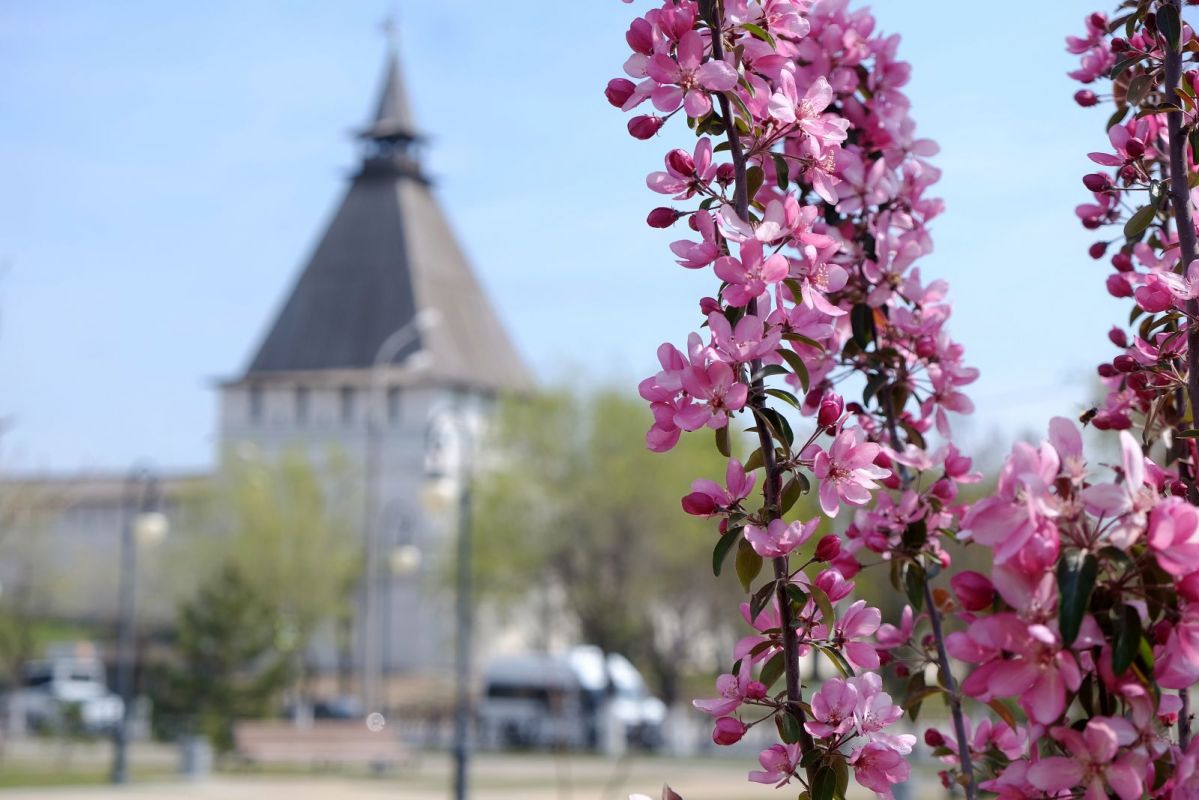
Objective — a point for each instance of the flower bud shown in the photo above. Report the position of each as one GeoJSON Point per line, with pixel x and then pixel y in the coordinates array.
{"type": "Point", "coordinates": [1118, 337]}
{"type": "Point", "coordinates": [1119, 45]}
{"type": "Point", "coordinates": [926, 347]}
{"type": "Point", "coordinates": [1135, 148]}
{"type": "Point", "coordinates": [1122, 262]}
{"type": "Point", "coordinates": [828, 548]}
{"type": "Point", "coordinates": [725, 173]}
{"type": "Point", "coordinates": [645, 126]}
{"type": "Point", "coordinates": [619, 91]}
{"type": "Point", "coordinates": [1092, 223]}
{"type": "Point", "coordinates": [933, 738]}
{"type": "Point", "coordinates": [681, 162]}
{"type": "Point", "coordinates": [709, 304]}
{"type": "Point", "coordinates": [973, 589]}
{"type": "Point", "coordinates": [755, 690]}
{"type": "Point", "coordinates": [1097, 250]}
{"type": "Point", "coordinates": [1107, 371]}
{"type": "Point", "coordinates": [831, 408]}
{"type": "Point", "coordinates": [1086, 98]}
{"type": "Point", "coordinates": [728, 730]}
{"type": "Point", "coordinates": [1128, 173]}
{"type": "Point", "coordinates": [1097, 20]}
{"type": "Point", "coordinates": [1097, 182]}
{"type": "Point", "coordinates": [1179, 489]}
{"type": "Point", "coordinates": [1118, 286]}
{"type": "Point", "coordinates": [663, 217]}
{"type": "Point", "coordinates": [1138, 381]}
{"type": "Point", "coordinates": [699, 504]}
{"type": "Point", "coordinates": [1125, 363]}
{"type": "Point", "coordinates": [1188, 587]}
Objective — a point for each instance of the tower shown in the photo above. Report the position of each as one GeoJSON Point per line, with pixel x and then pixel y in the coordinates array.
{"type": "Point", "coordinates": [385, 326]}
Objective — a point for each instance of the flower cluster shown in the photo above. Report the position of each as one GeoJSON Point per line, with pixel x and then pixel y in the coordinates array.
{"type": "Point", "coordinates": [806, 196]}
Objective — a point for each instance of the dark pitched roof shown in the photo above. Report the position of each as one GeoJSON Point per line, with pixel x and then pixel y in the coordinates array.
{"type": "Point", "coordinates": [387, 254]}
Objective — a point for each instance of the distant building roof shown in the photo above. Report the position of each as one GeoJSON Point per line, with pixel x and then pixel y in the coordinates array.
{"type": "Point", "coordinates": [387, 254]}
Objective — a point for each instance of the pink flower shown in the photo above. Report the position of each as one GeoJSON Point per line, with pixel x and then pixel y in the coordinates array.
{"type": "Point", "coordinates": [779, 539]}
{"type": "Point", "coordinates": [847, 471]}
{"type": "Point", "coordinates": [856, 624]}
{"type": "Point", "coordinates": [1178, 660]}
{"type": "Point", "coordinates": [684, 81]}
{"type": "Point", "coordinates": [708, 496]}
{"type": "Point", "coordinates": [745, 342]}
{"type": "Point", "coordinates": [751, 274]}
{"type": "Point", "coordinates": [718, 392]}
{"type": "Point", "coordinates": [1093, 762]}
{"type": "Point", "coordinates": [728, 730]}
{"type": "Point", "coordinates": [696, 255]}
{"type": "Point", "coordinates": [733, 690]}
{"type": "Point", "coordinates": [1174, 536]}
{"type": "Point", "coordinates": [778, 764]}
{"type": "Point", "coordinates": [890, 636]}
{"type": "Point", "coordinates": [685, 174]}
{"type": "Point", "coordinates": [878, 767]}
{"type": "Point", "coordinates": [1128, 500]}
{"type": "Point", "coordinates": [973, 589]}
{"type": "Point", "coordinates": [833, 707]}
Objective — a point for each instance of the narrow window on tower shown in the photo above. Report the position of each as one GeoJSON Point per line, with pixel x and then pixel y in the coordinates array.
{"type": "Point", "coordinates": [301, 404]}
{"type": "Point", "coordinates": [255, 404]}
{"type": "Point", "coordinates": [347, 404]}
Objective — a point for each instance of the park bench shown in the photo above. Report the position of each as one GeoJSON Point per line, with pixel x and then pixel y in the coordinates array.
{"type": "Point", "coordinates": [320, 744]}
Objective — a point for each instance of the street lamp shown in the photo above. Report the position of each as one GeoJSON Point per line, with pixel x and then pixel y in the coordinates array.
{"type": "Point", "coordinates": [144, 524]}
{"type": "Point", "coordinates": [386, 354]}
{"type": "Point", "coordinates": [436, 468]}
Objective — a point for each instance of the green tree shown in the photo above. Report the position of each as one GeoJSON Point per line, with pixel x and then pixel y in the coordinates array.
{"type": "Point", "coordinates": [232, 659]}
{"type": "Point", "coordinates": [574, 497]}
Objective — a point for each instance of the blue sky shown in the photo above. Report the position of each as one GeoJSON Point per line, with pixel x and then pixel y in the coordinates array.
{"type": "Point", "coordinates": [165, 169]}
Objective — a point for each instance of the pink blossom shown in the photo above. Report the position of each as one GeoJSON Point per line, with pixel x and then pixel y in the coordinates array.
{"type": "Point", "coordinates": [846, 471]}
{"type": "Point", "coordinates": [751, 274]}
{"type": "Point", "coordinates": [728, 730]}
{"type": "Point", "coordinates": [778, 764]}
{"type": "Point", "coordinates": [854, 626]}
{"type": "Point", "coordinates": [779, 539]}
{"type": "Point", "coordinates": [718, 391]}
{"type": "Point", "coordinates": [878, 768]}
{"type": "Point", "coordinates": [733, 690]}
{"type": "Point", "coordinates": [1094, 762]}
{"type": "Point", "coordinates": [833, 707]}
{"type": "Point", "coordinates": [687, 80]}
{"type": "Point", "coordinates": [745, 342]}
{"type": "Point", "coordinates": [708, 496]}
{"type": "Point", "coordinates": [1174, 536]}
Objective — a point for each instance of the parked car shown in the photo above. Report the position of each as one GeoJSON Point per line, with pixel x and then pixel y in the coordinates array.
{"type": "Point", "coordinates": [69, 691]}
{"type": "Point", "coordinates": [541, 701]}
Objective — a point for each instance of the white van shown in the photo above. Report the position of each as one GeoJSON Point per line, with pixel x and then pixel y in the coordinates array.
{"type": "Point", "coordinates": [543, 701]}
{"type": "Point", "coordinates": [54, 688]}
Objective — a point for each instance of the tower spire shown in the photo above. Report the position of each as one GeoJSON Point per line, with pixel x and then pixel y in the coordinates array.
{"type": "Point", "coordinates": [393, 116]}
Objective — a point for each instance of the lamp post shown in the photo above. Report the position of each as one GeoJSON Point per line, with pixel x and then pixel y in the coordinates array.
{"type": "Point", "coordinates": [436, 468]}
{"type": "Point", "coordinates": [144, 523]}
{"type": "Point", "coordinates": [386, 354]}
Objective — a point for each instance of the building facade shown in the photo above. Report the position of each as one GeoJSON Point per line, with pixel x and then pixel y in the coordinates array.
{"type": "Point", "coordinates": [385, 354]}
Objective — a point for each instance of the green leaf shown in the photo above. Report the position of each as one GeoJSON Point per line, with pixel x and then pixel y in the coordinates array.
{"type": "Point", "coordinates": [785, 396]}
{"type": "Point", "coordinates": [755, 461]}
{"type": "Point", "coordinates": [760, 600]}
{"type": "Point", "coordinates": [796, 595]}
{"type": "Point", "coordinates": [754, 176]}
{"type": "Point", "coordinates": [772, 670]}
{"type": "Point", "coordinates": [1121, 66]}
{"type": "Point", "coordinates": [722, 441]}
{"type": "Point", "coordinates": [769, 371]}
{"type": "Point", "coordinates": [778, 425]}
{"type": "Point", "coordinates": [758, 33]}
{"type": "Point", "coordinates": [913, 585]}
{"type": "Point", "coordinates": [790, 495]}
{"type": "Point", "coordinates": [748, 564]}
{"type": "Point", "coordinates": [799, 337]}
{"type": "Point", "coordinates": [1076, 574]}
{"type": "Point", "coordinates": [1117, 116]}
{"type": "Point", "coordinates": [915, 535]}
{"type": "Point", "coordinates": [789, 728]}
{"type": "Point", "coordinates": [861, 320]}
{"type": "Point", "coordinates": [1128, 639]}
{"type": "Point", "coordinates": [1190, 433]}
{"type": "Point", "coordinates": [1139, 221]}
{"type": "Point", "coordinates": [796, 363]}
{"type": "Point", "coordinates": [824, 783]}
{"type": "Point", "coordinates": [828, 616]}
{"type": "Point", "coordinates": [781, 171]}
{"type": "Point", "coordinates": [1168, 24]}
{"type": "Point", "coordinates": [723, 545]}
{"type": "Point", "coordinates": [1139, 88]}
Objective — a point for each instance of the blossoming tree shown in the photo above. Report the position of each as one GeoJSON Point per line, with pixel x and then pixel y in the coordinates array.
{"type": "Point", "coordinates": [805, 197]}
